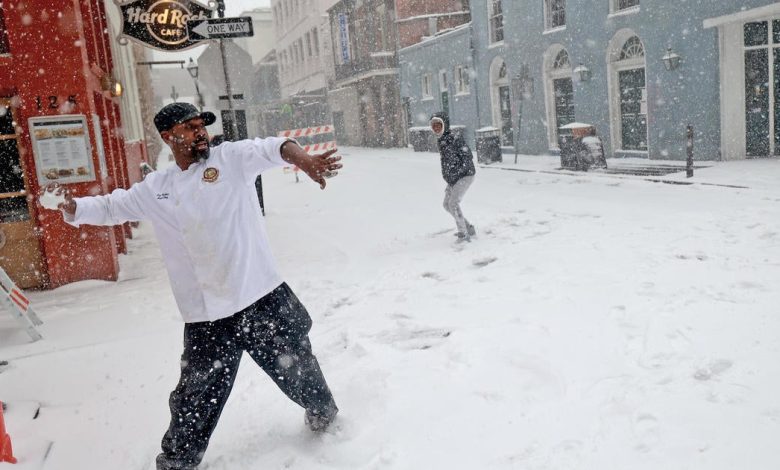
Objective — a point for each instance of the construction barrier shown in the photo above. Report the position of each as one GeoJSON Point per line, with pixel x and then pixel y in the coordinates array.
{"type": "Point", "coordinates": [313, 139]}
{"type": "Point", "coordinates": [18, 305]}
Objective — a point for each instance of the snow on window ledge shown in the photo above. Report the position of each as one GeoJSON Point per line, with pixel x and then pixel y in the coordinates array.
{"type": "Point", "coordinates": [627, 11]}
{"type": "Point", "coordinates": [554, 30]}
{"type": "Point", "coordinates": [426, 98]}
{"type": "Point", "coordinates": [493, 45]}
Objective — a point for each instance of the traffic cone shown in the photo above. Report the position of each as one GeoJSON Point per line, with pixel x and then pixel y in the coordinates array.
{"type": "Point", "coordinates": [6, 453]}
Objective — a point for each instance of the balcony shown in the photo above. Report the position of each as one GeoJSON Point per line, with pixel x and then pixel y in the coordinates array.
{"type": "Point", "coordinates": [374, 61]}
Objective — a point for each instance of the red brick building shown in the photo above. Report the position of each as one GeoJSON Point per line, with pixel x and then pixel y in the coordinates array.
{"type": "Point", "coordinates": [419, 18]}
{"type": "Point", "coordinates": [56, 74]}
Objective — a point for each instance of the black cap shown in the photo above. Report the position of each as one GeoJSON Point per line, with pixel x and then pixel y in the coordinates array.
{"type": "Point", "coordinates": [176, 113]}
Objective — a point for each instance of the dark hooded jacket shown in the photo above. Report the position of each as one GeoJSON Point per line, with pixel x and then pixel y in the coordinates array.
{"type": "Point", "coordinates": [456, 158]}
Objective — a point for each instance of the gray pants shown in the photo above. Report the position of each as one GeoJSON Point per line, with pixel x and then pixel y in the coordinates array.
{"type": "Point", "coordinates": [452, 197]}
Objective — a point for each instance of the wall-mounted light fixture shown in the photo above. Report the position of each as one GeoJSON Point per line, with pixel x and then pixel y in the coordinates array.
{"type": "Point", "coordinates": [671, 59]}
{"type": "Point", "coordinates": [111, 85]}
{"type": "Point", "coordinates": [583, 73]}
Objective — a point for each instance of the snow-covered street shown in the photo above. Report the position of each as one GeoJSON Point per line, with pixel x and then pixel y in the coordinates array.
{"type": "Point", "coordinates": [595, 323]}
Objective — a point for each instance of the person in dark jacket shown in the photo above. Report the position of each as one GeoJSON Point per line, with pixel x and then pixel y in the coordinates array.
{"type": "Point", "coordinates": [457, 168]}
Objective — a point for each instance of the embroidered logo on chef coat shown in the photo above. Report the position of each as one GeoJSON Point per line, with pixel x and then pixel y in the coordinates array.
{"type": "Point", "coordinates": [210, 174]}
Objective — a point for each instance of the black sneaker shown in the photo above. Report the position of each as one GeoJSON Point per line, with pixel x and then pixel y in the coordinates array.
{"type": "Point", "coordinates": [319, 422]}
{"type": "Point", "coordinates": [462, 237]}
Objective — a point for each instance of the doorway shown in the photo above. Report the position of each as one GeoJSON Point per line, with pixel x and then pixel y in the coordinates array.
{"type": "Point", "coordinates": [762, 88]}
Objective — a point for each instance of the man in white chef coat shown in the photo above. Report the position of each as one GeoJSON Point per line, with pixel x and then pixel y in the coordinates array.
{"type": "Point", "coordinates": [214, 244]}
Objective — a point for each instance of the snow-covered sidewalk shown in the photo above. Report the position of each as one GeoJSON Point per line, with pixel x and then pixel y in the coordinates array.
{"type": "Point", "coordinates": [595, 323]}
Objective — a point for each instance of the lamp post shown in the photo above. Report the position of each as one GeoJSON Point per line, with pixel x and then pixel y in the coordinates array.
{"type": "Point", "coordinates": [228, 88]}
{"type": "Point", "coordinates": [192, 68]}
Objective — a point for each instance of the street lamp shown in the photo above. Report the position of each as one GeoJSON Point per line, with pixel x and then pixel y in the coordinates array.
{"type": "Point", "coordinates": [671, 59]}
{"type": "Point", "coordinates": [192, 68]}
{"type": "Point", "coordinates": [582, 72]}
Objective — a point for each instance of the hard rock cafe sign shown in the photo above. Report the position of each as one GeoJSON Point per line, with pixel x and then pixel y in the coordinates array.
{"type": "Point", "coordinates": [161, 24]}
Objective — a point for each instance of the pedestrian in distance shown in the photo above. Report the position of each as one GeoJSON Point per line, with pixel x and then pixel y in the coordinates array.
{"type": "Point", "coordinates": [213, 239]}
{"type": "Point", "coordinates": [457, 169]}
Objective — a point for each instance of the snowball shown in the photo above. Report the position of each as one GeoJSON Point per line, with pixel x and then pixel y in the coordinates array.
{"type": "Point", "coordinates": [50, 201]}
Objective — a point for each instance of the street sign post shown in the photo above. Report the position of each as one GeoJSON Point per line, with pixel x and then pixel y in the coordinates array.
{"type": "Point", "coordinates": [220, 28]}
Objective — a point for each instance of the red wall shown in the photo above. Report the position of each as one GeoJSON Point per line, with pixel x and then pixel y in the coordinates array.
{"type": "Point", "coordinates": [61, 48]}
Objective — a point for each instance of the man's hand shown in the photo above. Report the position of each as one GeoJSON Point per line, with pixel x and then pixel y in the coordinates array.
{"type": "Point", "coordinates": [54, 196]}
{"type": "Point", "coordinates": [318, 167]}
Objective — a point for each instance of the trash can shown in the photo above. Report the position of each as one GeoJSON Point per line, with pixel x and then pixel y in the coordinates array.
{"type": "Point", "coordinates": [419, 137]}
{"type": "Point", "coordinates": [570, 142]}
{"type": "Point", "coordinates": [488, 145]}
{"type": "Point", "coordinates": [568, 148]}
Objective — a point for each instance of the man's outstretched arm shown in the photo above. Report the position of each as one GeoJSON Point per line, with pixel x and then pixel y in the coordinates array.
{"type": "Point", "coordinates": [318, 167]}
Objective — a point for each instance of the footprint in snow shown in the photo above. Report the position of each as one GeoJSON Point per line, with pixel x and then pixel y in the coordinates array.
{"type": "Point", "coordinates": [646, 430]}
{"type": "Point", "coordinates": [482, 262]}
{"type": "Point", "coordinates": [432, 275]}
{"type": "Point", "coordinates": [712, 370]}
{"type": "Point", "coordinates": [422, 338]}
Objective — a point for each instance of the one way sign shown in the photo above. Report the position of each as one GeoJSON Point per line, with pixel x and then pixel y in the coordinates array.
{"type": "Point", "coordinates": [220, 28]}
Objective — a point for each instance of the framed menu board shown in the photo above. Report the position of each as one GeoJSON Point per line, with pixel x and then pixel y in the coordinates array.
{"type": "Point", "coordinates": [62, 149]}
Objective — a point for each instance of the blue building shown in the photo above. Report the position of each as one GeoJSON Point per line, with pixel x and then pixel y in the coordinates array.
{"type": "Point", "coordinates": [639, 70]}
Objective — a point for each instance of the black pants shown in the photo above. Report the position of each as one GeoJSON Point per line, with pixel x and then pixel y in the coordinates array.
{"type": "Point", "coordinates": [274, 331]}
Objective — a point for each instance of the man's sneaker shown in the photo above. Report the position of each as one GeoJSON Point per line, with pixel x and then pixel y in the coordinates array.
{"type": "Point", "coordinates": [472, 231]}
{"type": "Point", "coordinates": [462, 237]}
{"type": "Point", "coordinates": [319, 422]}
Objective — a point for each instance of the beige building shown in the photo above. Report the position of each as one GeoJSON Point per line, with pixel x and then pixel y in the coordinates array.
{"type": "Point", "coordinates": [301, 35]}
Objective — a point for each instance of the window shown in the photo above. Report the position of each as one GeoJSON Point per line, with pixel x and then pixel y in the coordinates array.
{"type": "Point", "coordinates": [496, 21]}
{"type": "Point", "coordinates": [624, 4]}
{"type": "Point", "coordinates": [308, 44]}
{"type": "Point", "coordinates": [300, 49]}
{"type": "Point", "coordinates": [316, 42]}
{"type": "Point", "coordinates": [443, 85]}
{"type": "Point", "coordinates": [426, 86]}
{"type": "Point", "coordinates": [461, 79]}
{"type": "Point", "coordinates": [11, 174]}
{"type": "Point", "coordinates": [3, 33]}
{"type": "Point", "coordinates": [555, 13]}
{"type": "Point", "coordinates": [561, 60]}
{"type": "Point", "coordinates": [632, 49]}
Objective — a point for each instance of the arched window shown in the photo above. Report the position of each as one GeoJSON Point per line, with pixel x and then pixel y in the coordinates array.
{"type": "Point", "coordinates": [562, 60]}
{"type": "Point", "coordinates": [632, 49]}
{"type": "Point", "coordinates": [502, 71]}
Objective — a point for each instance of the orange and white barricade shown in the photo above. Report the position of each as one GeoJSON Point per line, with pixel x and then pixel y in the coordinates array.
{"type": "Point", "coordinates": [308, 138]}
{"type": "Point", "coordinates": [312, 140]}
{"type": "Point", "coordinates": [18, 305]}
